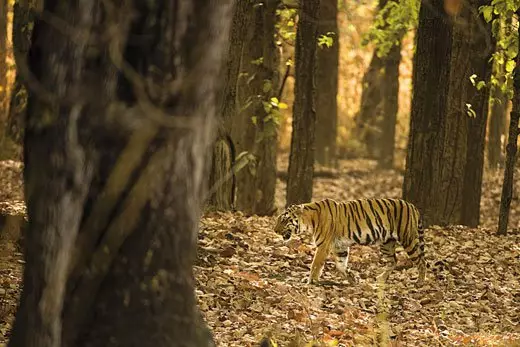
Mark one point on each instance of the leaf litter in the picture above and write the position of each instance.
(251, 284)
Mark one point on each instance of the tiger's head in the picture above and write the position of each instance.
(288, 222)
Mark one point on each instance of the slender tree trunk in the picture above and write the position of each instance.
(497, 126)
(428, 128)
(4, 7)
(390, 88)
(301, 159)
(327, 86)
(371, 98)
(114, 172)
(23, 23)
(255, 130)
(481, 47)
(497, 117)
(511, 150)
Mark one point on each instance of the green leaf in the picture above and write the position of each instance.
(282, 106)
(510, 65)
(487, 12)
(480, 85)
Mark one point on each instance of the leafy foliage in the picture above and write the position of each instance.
(500, 13)
(391, 23)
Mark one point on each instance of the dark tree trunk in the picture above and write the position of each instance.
(446, 147)
(511, 150)
(390, 88)
(481, 48)
(114, 172)
(327, 86)
(428, 124)
(222, 179)
(253, 129)
(301, 159)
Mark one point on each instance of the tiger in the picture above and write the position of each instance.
(338, 225)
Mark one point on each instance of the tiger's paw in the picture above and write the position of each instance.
(311, 281)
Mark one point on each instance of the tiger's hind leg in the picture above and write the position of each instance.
(342, 264)
(415, 251)
(388, 256)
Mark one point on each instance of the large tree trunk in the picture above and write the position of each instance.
(114, 172)
(327, 86)
(511, 150)
(481, 48)
(429, 131)
(445, 154)
(222, 178)
(301, 159)
(390, 88)
(254, 129)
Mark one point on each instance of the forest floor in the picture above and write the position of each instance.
(250, 284)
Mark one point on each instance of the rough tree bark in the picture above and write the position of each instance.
(428, 129)
(114, 172)
(390, 90)
(511, 151)
(481, 48)
(445, 154)
(256, 85)
(327, 86)
(301, 158)
(222, 180)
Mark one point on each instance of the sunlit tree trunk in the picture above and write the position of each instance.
(301, 159)
(390, 90)
(497, 116)
(4, 7)
(114, 172)
(327, 85)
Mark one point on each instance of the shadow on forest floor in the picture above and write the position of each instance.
(250, 284)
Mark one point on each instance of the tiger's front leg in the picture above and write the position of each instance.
(317, 264)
